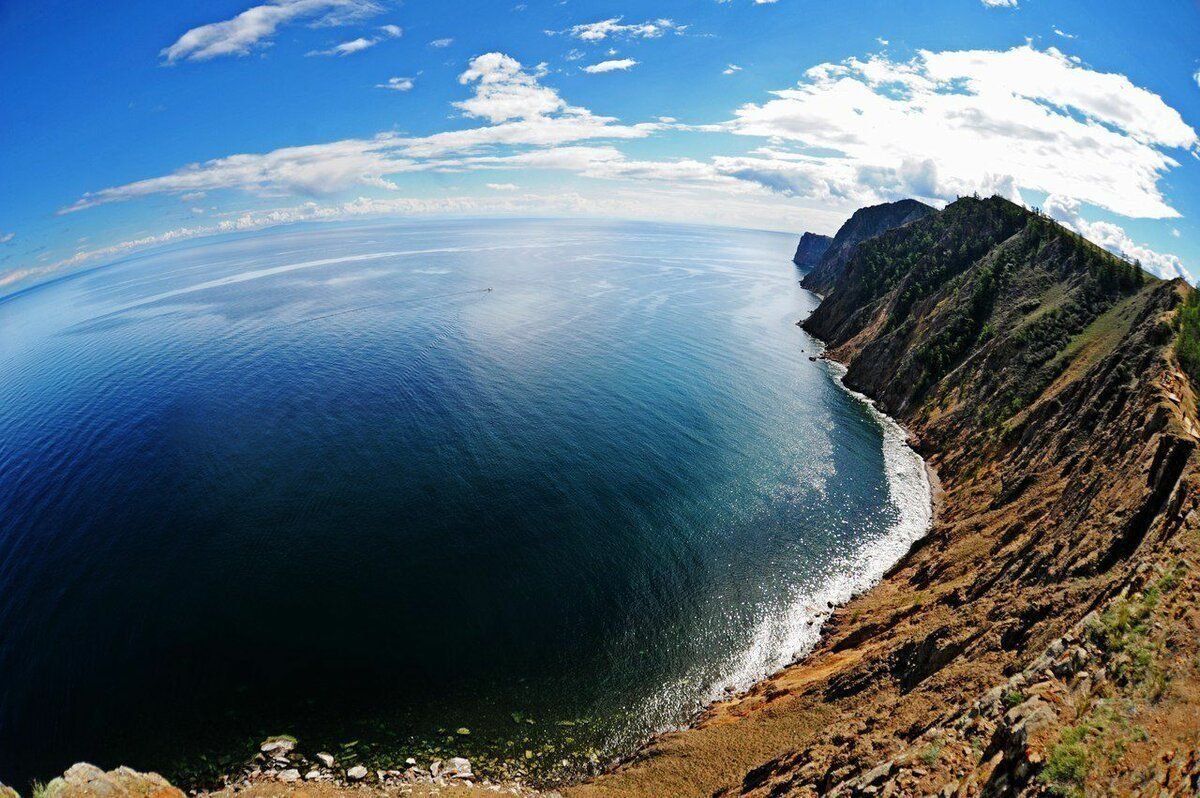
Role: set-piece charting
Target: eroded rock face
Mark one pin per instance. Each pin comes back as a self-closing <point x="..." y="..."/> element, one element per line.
<point x="811" y="249"/>
<point x="866" y="223"/>
<point x="88" y="781"/>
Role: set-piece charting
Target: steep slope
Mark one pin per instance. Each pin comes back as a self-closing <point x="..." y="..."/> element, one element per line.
<point x="1042" y="639"/>
<point x="811" y="249"/>
<point x="865" y="223"/>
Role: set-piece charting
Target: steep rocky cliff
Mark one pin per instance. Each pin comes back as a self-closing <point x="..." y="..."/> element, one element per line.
<point x="864" y="224"/>
<point x="1043" y="638"/>
<point x="810" y="250"/>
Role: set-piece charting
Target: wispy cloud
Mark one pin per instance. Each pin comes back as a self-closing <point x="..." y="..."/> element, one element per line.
<point x="616" y="65"/>
<point x="442" y="43"/>
<point x="255" y="26"/>
<point x="999" y="3"/>
<point x="397" y="84"/>
<point x="730" y="69"/>
<point x="347" y="48"/>
<point x="362" y="42"/>
<point x="502" y="186"/>
<point x="614" y="27"/>
<point x="6" y="237"/>
<point x="519" y="109"/>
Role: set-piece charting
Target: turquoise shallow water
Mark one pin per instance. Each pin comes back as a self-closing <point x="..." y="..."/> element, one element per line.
<point x="323" y="481"/>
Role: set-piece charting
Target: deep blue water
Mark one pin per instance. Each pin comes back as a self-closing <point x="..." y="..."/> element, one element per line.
<point x="321" y="481"/>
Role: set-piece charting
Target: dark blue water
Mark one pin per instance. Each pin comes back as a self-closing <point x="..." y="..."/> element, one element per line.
<point x="323" y="482"/>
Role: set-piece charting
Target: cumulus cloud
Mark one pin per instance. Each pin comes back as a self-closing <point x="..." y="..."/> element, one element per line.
<point x="255" y="26"/>
<point x="952" y="123"/>
<point x="1114" y="238"/>
<point x="617" y="65"/>
<point x="614" y="28"/>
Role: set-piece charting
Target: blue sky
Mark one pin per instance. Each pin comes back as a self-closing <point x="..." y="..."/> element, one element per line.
<point x="134" y="124"/>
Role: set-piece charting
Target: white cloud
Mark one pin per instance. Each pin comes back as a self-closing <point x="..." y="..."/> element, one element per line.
<point x="729" y="70"/>
<point x="441" y="43"/>
<point x="952" y="123"/>
<point x="396" y="84"/>
<point x="502" y="186"/>
<point x="1114" y="238"/>
<point x="849" y="134"/>
<point x="1196" y="77"/>
<point x="1000" y="3"/>
<point x="1063" y="34"/>
<point x="6" y="237"/>
<point x="255" y="26"/>
<point x="621" y="64"/>
<point x="613" y="27"/>
<point x="392" y="31"/>
<point x="504" y="90"/>
<point x="347" y="48"/>
<point x="522" y="113"/>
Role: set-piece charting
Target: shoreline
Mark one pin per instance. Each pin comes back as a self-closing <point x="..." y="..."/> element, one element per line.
<point x="935" y="495"/>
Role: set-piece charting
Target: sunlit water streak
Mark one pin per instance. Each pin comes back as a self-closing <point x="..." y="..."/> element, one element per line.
<point x="322" y="481"/>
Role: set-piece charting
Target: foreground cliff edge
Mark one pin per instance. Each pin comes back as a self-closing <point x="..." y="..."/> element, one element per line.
<point x="1042" y="639"/>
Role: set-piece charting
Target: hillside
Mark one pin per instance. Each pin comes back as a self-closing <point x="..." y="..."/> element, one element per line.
<point x="1044" y="638"/>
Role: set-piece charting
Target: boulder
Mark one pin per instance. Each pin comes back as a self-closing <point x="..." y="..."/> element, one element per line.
<point x="458" y="768"/>
<point x="356" y="773"/>
<point x="88" y="781"/>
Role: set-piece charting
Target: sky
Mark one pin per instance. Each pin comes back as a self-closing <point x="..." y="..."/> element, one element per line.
<point x="142" y="123"/>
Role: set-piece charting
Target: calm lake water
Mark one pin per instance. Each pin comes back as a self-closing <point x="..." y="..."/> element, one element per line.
<point x="322" y="481"/>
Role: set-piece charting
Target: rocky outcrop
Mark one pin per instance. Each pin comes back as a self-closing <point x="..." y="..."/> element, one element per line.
<point x="811" y="249"/>
<point x="88" y="781"/>
<point x="864" y="224"/>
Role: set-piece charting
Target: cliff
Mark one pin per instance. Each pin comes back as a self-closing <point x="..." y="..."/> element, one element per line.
<point x="1042" y="639"/>
<point x="865" y="223"/>
<point x="810" y="250"/>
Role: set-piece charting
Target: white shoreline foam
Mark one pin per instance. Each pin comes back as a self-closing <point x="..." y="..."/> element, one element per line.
<point x="781" y="641"/>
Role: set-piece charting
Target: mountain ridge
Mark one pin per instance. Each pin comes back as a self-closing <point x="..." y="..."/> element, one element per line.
<point x="1042" y="638"/>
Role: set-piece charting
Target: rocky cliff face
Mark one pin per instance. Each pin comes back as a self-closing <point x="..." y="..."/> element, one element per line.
<point x="1043" y="638"/>
<point x="864" y="224"/>
<point x="810" y="250"/>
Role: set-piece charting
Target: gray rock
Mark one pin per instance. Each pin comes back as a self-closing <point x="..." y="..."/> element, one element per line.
<point x="459" y="768"/>
<point x="291" y="774"/>
<point x="356" y="773"/>
<point x="277" y="746"/>
<point x="326" y="759"/>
